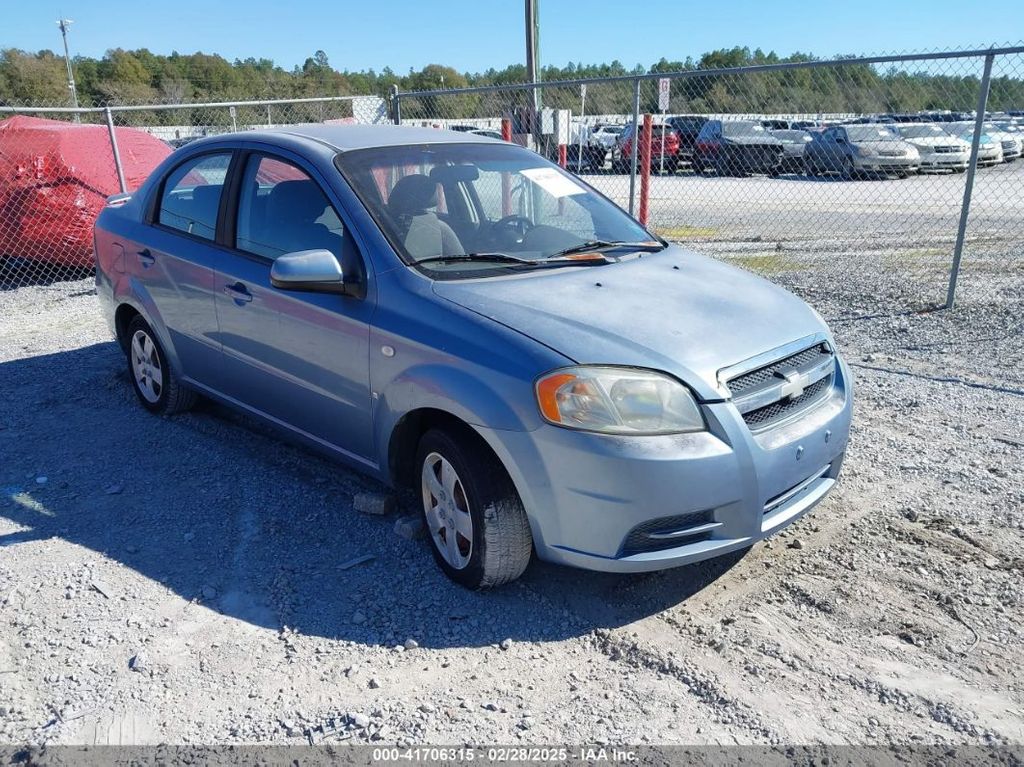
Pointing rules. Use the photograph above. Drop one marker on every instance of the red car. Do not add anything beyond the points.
(667, 148)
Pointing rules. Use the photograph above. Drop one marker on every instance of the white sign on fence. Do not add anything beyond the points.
(664, 84)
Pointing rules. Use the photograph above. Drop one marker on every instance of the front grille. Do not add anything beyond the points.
(890, 153)
(743, 383)
(948, 149)
(669, 532)
(765, 396)
(777, 411)
(1010, 147)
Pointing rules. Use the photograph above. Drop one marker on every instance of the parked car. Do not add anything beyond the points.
(489, 132)
(591, 158)
(990, 149)
(794, 143)
(662, 154)
(687, 127)
(736, 147)
(857, 149)
(1009, 140)
(606, 135)
(937, 149)
(457, 314)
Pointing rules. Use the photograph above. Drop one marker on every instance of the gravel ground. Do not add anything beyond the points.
(189, 580)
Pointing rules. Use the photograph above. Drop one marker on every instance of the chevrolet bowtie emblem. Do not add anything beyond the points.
(795, 383)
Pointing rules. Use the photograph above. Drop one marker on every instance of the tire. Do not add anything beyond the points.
(849, 171)
(498, 547)
(147, 362)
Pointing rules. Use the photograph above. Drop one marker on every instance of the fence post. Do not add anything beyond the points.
(972, 166)
(645, 168)
(396, 105)
(117, 154)
(636, 143)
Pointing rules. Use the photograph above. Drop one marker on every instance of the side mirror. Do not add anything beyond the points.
(840, 140)
(314, 270)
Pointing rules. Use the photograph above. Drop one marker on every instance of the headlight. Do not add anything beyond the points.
(913, 152)
(615, 400)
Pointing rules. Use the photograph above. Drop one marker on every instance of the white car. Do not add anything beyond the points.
(938, 149)
(990, 149)
(606, 135)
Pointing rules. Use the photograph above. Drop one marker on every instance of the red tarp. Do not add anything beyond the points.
(54, 179)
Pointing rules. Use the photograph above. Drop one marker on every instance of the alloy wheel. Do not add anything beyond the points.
(146, 366)
(446, 508)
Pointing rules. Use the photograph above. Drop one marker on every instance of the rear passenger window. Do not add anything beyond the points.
(191, 195)
(282, 210)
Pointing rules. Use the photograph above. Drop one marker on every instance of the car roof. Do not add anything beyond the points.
(348, 137)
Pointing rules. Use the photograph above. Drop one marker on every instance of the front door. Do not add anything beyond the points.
(299, 357)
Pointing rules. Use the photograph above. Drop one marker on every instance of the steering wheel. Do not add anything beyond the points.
(514, 225)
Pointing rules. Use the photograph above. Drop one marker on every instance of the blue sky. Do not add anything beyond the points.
(472, 35)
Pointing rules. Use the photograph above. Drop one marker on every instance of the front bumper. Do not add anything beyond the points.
(590, 498)
(944, 161)
(880, 164)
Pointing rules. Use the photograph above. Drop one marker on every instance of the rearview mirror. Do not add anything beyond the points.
(454, 173)
(315, 270)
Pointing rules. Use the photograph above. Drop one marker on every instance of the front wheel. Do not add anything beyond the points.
(476, 523)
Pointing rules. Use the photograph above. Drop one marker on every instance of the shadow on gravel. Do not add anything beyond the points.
(217, 509)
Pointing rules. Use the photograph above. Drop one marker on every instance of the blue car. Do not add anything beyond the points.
(453, 313)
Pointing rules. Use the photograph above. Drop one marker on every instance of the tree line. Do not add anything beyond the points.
(142, 77)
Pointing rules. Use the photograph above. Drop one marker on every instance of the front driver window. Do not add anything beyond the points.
(282, 210)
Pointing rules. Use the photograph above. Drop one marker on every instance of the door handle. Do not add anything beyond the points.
(238, 293)
(146, 258)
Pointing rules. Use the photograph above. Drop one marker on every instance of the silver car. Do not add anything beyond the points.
(458, 315)
(938, 150)
(857, 150)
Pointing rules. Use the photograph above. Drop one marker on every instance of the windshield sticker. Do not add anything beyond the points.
(553, 182)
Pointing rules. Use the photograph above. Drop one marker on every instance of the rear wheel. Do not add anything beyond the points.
(475, 521)
(156, 384)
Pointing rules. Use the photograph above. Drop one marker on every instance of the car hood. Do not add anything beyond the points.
(752, 140)
(930, 141)
(675, 311)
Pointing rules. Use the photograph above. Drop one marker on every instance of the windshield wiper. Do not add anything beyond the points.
(500, 257)
(555, 260)
(598, 245)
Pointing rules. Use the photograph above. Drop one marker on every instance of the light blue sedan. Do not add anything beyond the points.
(457, 314)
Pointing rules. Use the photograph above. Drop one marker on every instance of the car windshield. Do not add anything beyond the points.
(922, 130)
(734, 128)
(870, 133)
(497, 206)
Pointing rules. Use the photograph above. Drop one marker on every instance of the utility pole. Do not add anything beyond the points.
(533, 63)
(64, 24)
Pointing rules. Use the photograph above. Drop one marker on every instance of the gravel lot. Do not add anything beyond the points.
(900, 229)
(185, 580)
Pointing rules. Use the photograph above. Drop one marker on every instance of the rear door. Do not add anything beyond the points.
(300, 358)
(173, 261)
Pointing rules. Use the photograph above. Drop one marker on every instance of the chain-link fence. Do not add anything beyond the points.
(58, 165)
(884, 181)
(876, 180)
